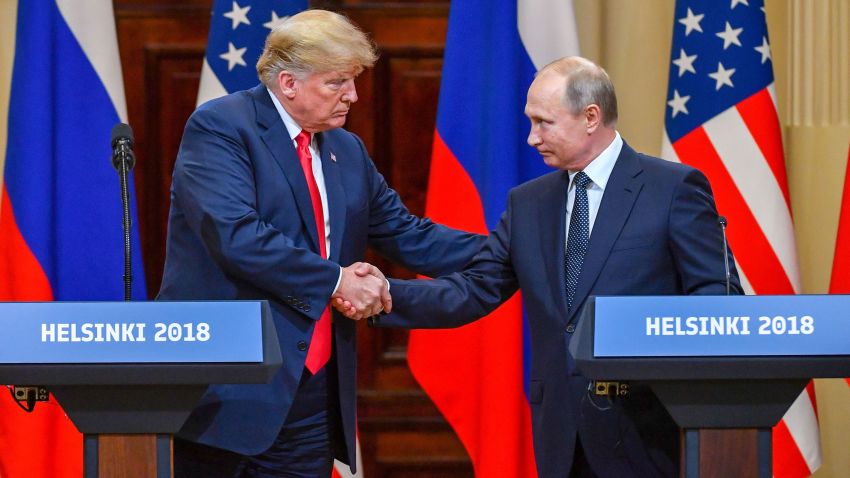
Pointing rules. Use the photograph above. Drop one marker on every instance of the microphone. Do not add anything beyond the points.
(122, 147)
(123, 161)
(722, 221)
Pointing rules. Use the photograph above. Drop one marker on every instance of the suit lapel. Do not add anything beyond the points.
(622, 189)
(274, 134)
(552, 227)
(336, 194)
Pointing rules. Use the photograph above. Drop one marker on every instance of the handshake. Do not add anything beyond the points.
(363, 292)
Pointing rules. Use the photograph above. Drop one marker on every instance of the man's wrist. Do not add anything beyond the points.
(338, 281)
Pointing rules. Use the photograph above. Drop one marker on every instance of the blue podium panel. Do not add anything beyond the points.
(726, 326)
(131, 332)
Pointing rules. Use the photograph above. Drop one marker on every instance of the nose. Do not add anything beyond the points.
(533, 138)
(350, 93)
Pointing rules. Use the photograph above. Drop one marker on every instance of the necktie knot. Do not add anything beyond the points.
(303, 140)
(581, 180)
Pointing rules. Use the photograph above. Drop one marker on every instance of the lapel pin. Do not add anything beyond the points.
(333, 157)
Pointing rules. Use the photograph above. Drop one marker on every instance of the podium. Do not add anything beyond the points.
(726, 368)
(129, 373)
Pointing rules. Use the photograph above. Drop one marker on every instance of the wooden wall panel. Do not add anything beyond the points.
(162, 45)
(402, 433)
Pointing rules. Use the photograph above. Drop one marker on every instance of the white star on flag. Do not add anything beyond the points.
(685, 62)
(722, 76)
(274, 21)
(691, 22)
(730, 36)
(238, 15)
(736, 2)
(233, 56)
(764, 49)
(678, 103)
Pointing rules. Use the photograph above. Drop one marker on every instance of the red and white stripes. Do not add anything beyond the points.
(740, 150)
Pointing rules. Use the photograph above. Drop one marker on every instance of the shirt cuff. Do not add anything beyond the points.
(338, 281)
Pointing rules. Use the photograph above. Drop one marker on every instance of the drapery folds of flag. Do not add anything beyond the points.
(493, 49)
(721, 118)
(60, 218)
(840, 281)
(238, 31)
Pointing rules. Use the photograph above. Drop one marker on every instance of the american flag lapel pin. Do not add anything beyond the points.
(333, 156)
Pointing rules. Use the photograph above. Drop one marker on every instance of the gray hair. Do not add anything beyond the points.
(586, 83)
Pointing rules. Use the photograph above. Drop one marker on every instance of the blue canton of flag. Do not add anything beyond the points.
(721, 56)
(238, 32)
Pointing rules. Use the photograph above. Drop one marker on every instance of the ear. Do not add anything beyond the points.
(593, 117)
(287, 83)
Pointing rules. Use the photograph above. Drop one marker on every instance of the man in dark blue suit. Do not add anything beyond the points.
(610, 221)
(270, 199)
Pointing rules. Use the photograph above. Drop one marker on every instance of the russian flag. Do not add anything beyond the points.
(493, 49)
(60, 218)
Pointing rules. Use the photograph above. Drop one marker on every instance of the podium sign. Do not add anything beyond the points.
(727, 368)
(130, 332)
(734, 326)
(135, 368)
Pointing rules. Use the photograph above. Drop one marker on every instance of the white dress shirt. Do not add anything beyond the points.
(293, 129)
(599, 170)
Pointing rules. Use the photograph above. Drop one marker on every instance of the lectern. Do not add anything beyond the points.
(726, 368)
(134, 368)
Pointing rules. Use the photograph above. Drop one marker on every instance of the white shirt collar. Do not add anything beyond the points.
(291, 126)
(599, 170)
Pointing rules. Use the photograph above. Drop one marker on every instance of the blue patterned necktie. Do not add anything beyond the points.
(578, 236)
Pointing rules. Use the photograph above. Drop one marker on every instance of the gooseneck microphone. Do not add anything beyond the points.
(722, 221)
(122, 147)
(123, 161)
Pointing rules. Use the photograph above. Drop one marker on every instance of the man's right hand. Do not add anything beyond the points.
(362, 292)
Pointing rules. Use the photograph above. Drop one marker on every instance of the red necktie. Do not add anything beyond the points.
(320, 344)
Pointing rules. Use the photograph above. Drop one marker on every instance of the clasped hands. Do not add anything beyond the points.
(362, 292)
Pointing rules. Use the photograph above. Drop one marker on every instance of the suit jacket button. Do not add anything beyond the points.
(302, 345)
(571, 328)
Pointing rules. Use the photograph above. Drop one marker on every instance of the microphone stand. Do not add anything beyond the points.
(722, 221)
(123, 161)
(123, 173)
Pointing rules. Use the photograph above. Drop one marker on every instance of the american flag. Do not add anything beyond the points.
(238, 31)
(721, 118)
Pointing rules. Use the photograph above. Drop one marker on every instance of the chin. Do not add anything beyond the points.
(336, 122)
(552, 162)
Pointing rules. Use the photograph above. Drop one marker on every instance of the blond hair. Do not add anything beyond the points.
(314, 41)
(586, 83)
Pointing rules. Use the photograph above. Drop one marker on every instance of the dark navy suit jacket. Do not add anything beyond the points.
(656, 233)
(241, 226)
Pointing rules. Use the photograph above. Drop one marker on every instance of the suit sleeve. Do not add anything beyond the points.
(416, 243)
(214, 186)
(696, 239)
(459, 298)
